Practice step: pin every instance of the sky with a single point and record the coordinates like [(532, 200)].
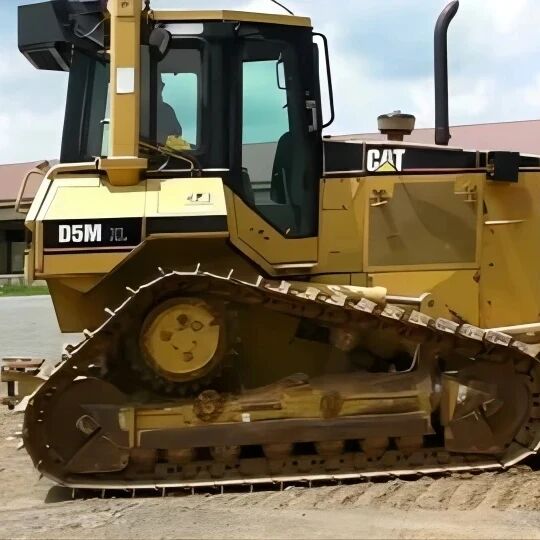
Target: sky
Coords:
[(382, 60)]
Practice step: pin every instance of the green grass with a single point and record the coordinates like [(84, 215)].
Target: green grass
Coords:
[(22, 290)]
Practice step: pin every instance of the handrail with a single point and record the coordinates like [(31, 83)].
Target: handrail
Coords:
[(40, 168)]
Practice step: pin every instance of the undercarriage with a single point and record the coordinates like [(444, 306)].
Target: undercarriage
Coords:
[(177, 389)]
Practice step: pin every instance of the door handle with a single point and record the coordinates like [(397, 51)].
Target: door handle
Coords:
[(311, 105)]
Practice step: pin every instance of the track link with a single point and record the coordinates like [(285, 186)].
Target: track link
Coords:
[(335, 306)]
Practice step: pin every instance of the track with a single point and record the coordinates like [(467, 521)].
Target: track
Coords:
[(333, 306), (489, 505)]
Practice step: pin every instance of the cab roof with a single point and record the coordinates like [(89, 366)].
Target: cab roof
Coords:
[(230, 16)]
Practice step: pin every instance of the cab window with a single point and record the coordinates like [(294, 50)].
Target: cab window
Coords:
[(178, 102), (276, 170)]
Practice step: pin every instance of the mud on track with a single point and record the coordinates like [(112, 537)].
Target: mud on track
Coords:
[(489, 505)]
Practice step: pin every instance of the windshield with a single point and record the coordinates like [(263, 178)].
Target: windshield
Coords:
[(178, 98), (170, 104)]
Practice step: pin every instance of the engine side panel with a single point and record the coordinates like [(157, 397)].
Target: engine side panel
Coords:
[(510, 263)]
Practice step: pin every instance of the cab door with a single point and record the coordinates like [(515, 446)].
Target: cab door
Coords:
[(276, 172)]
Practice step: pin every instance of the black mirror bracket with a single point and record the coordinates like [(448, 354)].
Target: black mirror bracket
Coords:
[(160, 42)]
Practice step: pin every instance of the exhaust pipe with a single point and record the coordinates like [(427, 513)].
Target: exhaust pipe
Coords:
[(442, 129)]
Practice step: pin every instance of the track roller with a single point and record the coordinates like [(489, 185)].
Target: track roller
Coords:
[(225, 454), (329, 449), (374, 447), (277, 451)]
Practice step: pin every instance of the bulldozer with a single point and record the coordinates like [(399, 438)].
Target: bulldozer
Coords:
[(260, 303)]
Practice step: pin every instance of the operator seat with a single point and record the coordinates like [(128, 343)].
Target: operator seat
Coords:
[(288, 186), (247, 188), (282, 170)]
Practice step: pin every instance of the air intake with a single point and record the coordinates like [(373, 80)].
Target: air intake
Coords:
[(396, 125)]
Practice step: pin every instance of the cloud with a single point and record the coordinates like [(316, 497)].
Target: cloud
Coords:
[(381, 53), (507, 28), (32, 114), (531, 93), (27, 135), (387, 63)]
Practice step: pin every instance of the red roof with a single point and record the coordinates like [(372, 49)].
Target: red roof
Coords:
[(11, 177), (523, 136)]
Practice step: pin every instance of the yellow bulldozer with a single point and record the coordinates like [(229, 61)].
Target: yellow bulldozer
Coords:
[(262, 304)]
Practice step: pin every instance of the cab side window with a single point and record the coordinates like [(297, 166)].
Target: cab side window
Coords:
[(178, 98), (275, 164)]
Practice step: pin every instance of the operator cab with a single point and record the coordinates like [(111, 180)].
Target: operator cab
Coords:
[(227, 91)]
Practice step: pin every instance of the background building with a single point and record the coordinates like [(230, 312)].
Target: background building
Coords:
[(521, 136), (12, 231)]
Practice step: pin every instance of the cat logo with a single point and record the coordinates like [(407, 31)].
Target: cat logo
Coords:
[(385, 160)]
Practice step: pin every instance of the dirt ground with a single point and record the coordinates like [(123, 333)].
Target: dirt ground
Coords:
[(502, 505)]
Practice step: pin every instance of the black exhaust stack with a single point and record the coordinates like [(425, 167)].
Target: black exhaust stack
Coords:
[(442, 129)]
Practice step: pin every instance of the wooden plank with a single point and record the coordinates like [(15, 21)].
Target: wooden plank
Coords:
[(21, 363)]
